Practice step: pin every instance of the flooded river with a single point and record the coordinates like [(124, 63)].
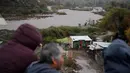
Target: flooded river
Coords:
[(73, 18)]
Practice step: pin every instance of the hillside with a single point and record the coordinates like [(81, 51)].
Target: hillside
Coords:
[(20, 7)]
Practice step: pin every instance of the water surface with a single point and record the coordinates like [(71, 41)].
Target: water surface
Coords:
[(73, 18)]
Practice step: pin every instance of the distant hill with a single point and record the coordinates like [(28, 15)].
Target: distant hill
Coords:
[(21, 7), (19, 3)]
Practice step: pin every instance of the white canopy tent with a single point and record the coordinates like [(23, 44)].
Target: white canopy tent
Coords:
[(2, 21)]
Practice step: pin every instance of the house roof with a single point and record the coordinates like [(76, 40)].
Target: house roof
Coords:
[(102, 44), (77, 38), (99, 45)]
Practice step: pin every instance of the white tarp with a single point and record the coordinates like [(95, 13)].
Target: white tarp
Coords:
[(102, 44), (98, 45), (2, 21)]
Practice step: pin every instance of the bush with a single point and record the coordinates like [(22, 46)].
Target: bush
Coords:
[(114, 16), (61, 13), (52, 33)]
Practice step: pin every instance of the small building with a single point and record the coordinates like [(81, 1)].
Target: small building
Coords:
[(95, 51), (77, 42)]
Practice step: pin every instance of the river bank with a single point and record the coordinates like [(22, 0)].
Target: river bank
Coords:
[(73, 18), (17, 18)]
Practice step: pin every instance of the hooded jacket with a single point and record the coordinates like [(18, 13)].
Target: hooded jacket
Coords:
[(117, 57), (36, 67), (18, 53)]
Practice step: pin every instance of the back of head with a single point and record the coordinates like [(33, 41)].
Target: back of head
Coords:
[(51, 54), (49, 50), (28, 36)]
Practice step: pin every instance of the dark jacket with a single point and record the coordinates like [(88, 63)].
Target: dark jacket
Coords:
[(18, 53), (117, 57), (36, 67)]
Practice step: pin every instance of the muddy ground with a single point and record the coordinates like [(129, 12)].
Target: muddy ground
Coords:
[(83, 64)]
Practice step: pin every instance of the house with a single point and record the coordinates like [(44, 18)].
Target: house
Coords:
[(79, 41)]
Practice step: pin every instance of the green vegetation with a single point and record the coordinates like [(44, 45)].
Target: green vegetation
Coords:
[(115, 20), (21, 7), (61, 13), (120, 4), (63, 40), (116, 16), (53, 33), (6, 35), (83, 9)]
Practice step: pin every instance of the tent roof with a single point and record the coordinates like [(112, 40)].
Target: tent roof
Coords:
[(2, 21), (99, 45), (77, 38), (1, 42), (102, 44)]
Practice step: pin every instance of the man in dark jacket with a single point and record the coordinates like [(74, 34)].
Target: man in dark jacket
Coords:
[(117, 55), (17, 54), (50, 61)]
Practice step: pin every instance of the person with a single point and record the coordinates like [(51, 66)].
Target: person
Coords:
[(50, 61), (117, 55), (17, 53)]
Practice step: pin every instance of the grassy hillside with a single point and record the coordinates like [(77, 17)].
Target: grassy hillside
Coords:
[(53, 33)]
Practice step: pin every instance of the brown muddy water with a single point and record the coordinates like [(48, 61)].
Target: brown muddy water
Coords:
[(73, 18)]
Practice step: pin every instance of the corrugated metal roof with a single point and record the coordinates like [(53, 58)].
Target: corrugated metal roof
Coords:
[(102, 44), (98, 45), (77, 38)]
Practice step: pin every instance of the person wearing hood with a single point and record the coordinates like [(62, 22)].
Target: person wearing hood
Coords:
[(117, 55), (18, 53), (51, 60)]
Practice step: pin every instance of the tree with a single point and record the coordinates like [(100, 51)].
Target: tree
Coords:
[(114, 18), (68, 4), (20, 6)]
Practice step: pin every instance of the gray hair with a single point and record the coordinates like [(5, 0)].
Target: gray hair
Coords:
[(48, 51)]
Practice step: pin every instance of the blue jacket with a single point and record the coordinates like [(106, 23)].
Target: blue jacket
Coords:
[(117, 57), (36, 67)]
